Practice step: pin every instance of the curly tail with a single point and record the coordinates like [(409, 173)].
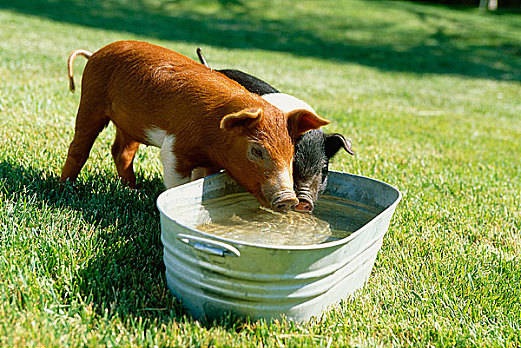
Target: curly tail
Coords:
[(72, 56)]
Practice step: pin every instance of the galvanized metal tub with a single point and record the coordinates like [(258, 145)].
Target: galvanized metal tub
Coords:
[(212, 276)]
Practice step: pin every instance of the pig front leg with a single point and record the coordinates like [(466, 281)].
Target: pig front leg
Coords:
[(171, 176)]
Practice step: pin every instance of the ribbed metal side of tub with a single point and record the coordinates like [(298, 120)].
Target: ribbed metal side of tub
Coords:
[(212, 276)]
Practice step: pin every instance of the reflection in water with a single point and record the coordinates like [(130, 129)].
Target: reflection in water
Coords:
[(239, 217)]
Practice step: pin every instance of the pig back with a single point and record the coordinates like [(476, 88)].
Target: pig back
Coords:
[(143, 84)]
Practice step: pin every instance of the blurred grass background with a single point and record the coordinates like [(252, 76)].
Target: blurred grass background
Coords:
[(429, 95)]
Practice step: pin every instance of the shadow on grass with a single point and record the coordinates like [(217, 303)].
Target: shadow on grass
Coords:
[(233, 24), (125, 274)]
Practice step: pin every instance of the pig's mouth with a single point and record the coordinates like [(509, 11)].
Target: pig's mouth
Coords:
[(305, 204), (284, 201)]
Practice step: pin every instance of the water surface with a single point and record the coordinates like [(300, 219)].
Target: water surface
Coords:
[(239, 217)]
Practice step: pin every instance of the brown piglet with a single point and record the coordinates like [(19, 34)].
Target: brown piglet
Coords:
[(198, 117)]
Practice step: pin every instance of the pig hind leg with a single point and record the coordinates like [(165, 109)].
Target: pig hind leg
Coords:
[(88, 126), (123, 151)]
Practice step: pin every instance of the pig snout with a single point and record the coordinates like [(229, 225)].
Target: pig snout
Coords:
[(305, 199), (278, 190), (284, 201), (305, 204)]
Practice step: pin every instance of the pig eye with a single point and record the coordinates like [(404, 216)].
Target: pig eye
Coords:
[(256, 152)]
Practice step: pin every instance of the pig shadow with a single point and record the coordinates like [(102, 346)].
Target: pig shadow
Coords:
[(126, 276), (129, 252), (236, 27)]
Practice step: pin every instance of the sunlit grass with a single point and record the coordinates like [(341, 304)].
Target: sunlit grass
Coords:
[(429, 95)]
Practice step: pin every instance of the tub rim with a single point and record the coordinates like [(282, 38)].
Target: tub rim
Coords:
[(289, 247)]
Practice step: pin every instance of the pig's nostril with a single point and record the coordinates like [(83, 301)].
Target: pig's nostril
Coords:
[(284, 206), (304, 206), (281, 207), (284, 202)]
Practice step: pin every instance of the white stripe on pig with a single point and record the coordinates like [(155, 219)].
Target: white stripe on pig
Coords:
[(286, 102)]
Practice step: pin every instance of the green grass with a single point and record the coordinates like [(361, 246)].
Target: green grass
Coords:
[(429, 95)]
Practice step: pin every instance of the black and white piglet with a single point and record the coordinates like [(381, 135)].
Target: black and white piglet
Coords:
[(313, 150)]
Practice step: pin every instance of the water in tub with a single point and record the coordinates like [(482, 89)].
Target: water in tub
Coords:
[(239, 217)]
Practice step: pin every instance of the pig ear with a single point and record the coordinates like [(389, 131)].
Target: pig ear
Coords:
[(242, 119), (300, 121), (336, 141)]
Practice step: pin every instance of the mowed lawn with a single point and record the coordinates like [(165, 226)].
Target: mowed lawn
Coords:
[(430, 96)]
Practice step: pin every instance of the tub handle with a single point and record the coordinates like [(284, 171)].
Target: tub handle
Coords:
[(209, 246)]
